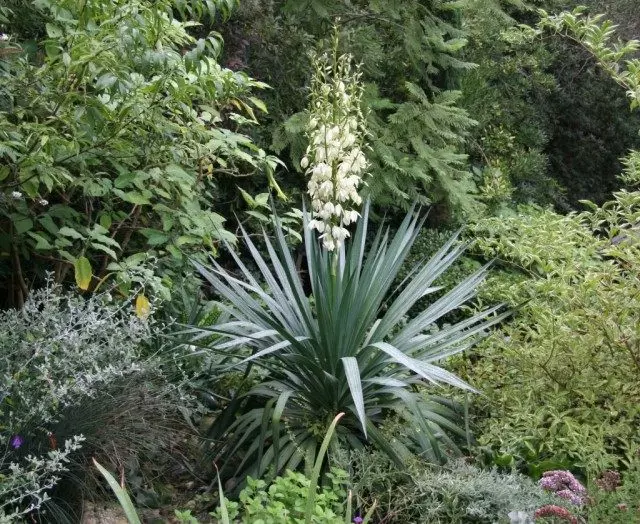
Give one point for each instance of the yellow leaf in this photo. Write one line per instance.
(143, 306)
(83, 272)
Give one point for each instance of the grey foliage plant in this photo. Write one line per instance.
(59, 353)
(458, 493)
(346, 346)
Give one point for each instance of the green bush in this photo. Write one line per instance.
(508, 93)
(284, 500)
(115, 128)
(561, 379)
(73, 383)
(551, 124)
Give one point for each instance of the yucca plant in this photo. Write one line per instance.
(346, 347)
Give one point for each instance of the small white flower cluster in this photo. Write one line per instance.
(4, 37)
(17, 195)
(334, 159)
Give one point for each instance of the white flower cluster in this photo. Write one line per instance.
(334, 159)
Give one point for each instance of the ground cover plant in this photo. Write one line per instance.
(74, 383)
(458, 492)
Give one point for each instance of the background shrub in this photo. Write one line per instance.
(116, 123)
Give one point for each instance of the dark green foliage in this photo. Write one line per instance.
(552, 126)
(507, 94)
(540, 103)
(416, 152)
(113, 136)
(592, 127)
(409, 51)
(623, 13)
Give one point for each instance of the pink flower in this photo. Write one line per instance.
(555, 511)
(563, 484)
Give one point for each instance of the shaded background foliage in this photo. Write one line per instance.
(550, 121)
(550, 126)
(409, 54)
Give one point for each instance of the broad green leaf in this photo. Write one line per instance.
(155, 237)
(104, 249)
(105, 81)
(259, 104)
(22, 224)
(53, 31)
(260, 216)
(262, 199)
(105, 220)
(136, 259)
(136, 198)
(41, 242)
(185, 240)
(72, 233)
(47, 222)
(247, 198)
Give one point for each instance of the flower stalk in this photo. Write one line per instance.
(335, 160)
